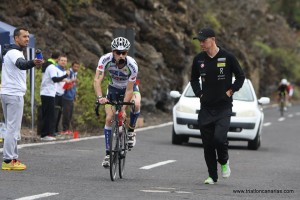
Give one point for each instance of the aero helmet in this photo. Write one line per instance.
(120, 44)
(284, 81)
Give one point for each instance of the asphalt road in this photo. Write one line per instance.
(72, 170)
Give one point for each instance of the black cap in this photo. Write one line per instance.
(205, 33)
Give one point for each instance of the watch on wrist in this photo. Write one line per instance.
(99, 97)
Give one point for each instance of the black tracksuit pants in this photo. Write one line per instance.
(48, 115)
(214, 125)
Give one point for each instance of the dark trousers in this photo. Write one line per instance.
(48, 115)
(59, 105)
(214, 126)
(67, 113)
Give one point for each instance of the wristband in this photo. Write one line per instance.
(99, 97)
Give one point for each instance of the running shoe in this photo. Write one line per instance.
(225, 170)
(105, 162)
(131, 139)
(48, 138)
(210, 181)
(13, 165)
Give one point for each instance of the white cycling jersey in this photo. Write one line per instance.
(118, 77)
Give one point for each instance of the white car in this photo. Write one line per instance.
(246, 121)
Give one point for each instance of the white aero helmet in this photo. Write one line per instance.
(120, 44)
(284, 81)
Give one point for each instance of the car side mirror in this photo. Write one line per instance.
(264, 100)
(175, 94)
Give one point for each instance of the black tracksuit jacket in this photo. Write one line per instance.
(216, 77)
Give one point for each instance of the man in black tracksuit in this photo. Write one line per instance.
(215, 66)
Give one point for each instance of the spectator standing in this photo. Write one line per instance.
(47, 92)
(69, 98)
(215, 66)
(13, 81)
(61, 71)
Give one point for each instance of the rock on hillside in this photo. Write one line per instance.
(164, 30)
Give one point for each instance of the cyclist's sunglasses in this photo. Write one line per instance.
(121, 52)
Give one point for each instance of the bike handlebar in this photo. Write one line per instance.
(97, 105)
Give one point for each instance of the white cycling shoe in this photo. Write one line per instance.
(131, 139)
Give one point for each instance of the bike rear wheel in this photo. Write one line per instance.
(123, 150)
(114, 155)
(282, 108)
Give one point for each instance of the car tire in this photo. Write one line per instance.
(178, 139)
(255, 144)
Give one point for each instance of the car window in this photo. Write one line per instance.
(189, 92)
(244, 94)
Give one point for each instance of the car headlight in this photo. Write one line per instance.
(185, 109)
(246, 113)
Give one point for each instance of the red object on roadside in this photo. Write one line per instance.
(75, 134)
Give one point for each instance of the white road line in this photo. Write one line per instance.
(281, 119)
(156, 191)
(158, 164)
(38, 196)
(85, 138)
(183, 192)
(267, 124)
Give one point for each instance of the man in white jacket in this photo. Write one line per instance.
(13, 81)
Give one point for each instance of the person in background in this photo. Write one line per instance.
(47, 93)
(123, 71)
(69, 98)
(13, 82)
(61, 71)
(283, 91)
(215, 66)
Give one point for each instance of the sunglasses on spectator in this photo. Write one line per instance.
(121, 52)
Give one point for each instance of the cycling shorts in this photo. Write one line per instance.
(116, 94)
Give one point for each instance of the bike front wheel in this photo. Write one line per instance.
(123, 150)
(114, 155)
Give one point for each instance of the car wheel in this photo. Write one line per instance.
(254, 144)
(178, 139)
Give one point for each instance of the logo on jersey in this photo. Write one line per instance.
(133, 78)
(132, 68)
(202, 65)
(221, 62)
(100, 67)
(105, 59)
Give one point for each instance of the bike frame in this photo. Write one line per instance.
(118, 141)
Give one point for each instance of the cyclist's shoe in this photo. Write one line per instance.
(105, 162)
(13, 165)
(210, 181)
(225, 170)
(131, 139)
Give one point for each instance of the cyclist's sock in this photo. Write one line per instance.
(133, 118)
(107, 132)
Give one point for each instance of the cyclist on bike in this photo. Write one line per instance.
(283, 90)
(123, 71)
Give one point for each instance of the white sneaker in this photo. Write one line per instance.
(131, 139)
(105, 162)
(225, 170)
(210, 181)
(48, 138)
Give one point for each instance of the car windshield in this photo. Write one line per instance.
(244, 94)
